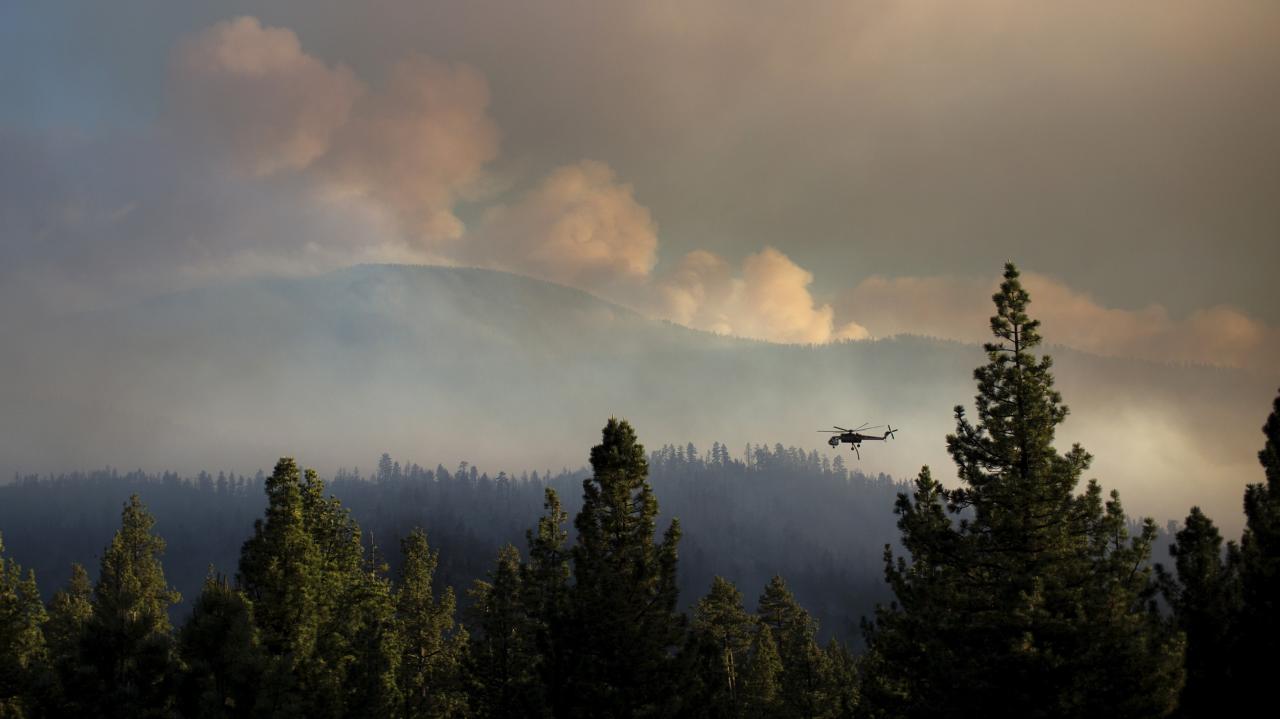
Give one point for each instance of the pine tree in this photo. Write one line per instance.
(357, 647)
(624, 596)
(842, 680)
(69, 612)
(1204, 597)
(719, 648)
(127, 646)
(544, 581)
(803, 684)
(372, 644)
(503, 667)
(222, 651)
(432, 651)
(280, 573)
(762, 675)
(323, 609)
(1021, 597)
(1259, 621)
(22, 646)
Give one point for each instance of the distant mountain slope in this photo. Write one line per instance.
(444, 364)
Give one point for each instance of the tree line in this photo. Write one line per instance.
(748, 514)
(1014, 593)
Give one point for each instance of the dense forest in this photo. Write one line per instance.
(748, 516)
(1016, 592)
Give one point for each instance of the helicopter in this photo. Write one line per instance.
(855, 437)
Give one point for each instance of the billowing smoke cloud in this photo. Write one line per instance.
(312, 142)
(413, 146)
(579, 226)
(770, 300)
(405, 151)
(252, 89)
(582, 227)
(956, 308)
(419, 145)
(698, 292)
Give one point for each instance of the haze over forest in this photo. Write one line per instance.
(441, 365)
(203, 183)
(336, 298)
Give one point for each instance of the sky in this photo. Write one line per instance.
(681, 158)
(800, 172)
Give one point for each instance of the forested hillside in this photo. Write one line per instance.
(1025, 589)
(783, 511)
(443, 365)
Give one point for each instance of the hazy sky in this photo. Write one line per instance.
(793, 172)
(790, 171)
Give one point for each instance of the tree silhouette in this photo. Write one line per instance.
(1021, 597)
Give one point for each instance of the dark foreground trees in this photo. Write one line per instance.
(592, 630)
(622, 617)
(1227, 600)
(1021, 597)
(313, 626)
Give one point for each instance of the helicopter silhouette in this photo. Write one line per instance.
(855, 437)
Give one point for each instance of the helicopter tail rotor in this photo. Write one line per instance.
(889, 432)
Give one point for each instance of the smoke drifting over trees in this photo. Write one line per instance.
(441, 365)
(1012, 589)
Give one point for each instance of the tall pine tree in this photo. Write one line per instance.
(222, 650)
(432, 650)
(127, 648)
(323, 609)
(544, 581)
(803, 688)
(69, 612)
(624, 620)
(1204, 596)
(1259, 619)
(719, 650)
(761, 677)
(1021, 597)
(280, 573)
(503, 667)
(22, 646)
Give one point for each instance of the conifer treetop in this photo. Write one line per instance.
(1269, 455)
(1018, 409)
(619, 454)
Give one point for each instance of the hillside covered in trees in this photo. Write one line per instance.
(1017, 592)
(1011, 590)
(446, 364)
(747, 515)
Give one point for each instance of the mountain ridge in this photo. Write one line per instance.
(514, 372)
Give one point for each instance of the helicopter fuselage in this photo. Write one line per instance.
(854, 438)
